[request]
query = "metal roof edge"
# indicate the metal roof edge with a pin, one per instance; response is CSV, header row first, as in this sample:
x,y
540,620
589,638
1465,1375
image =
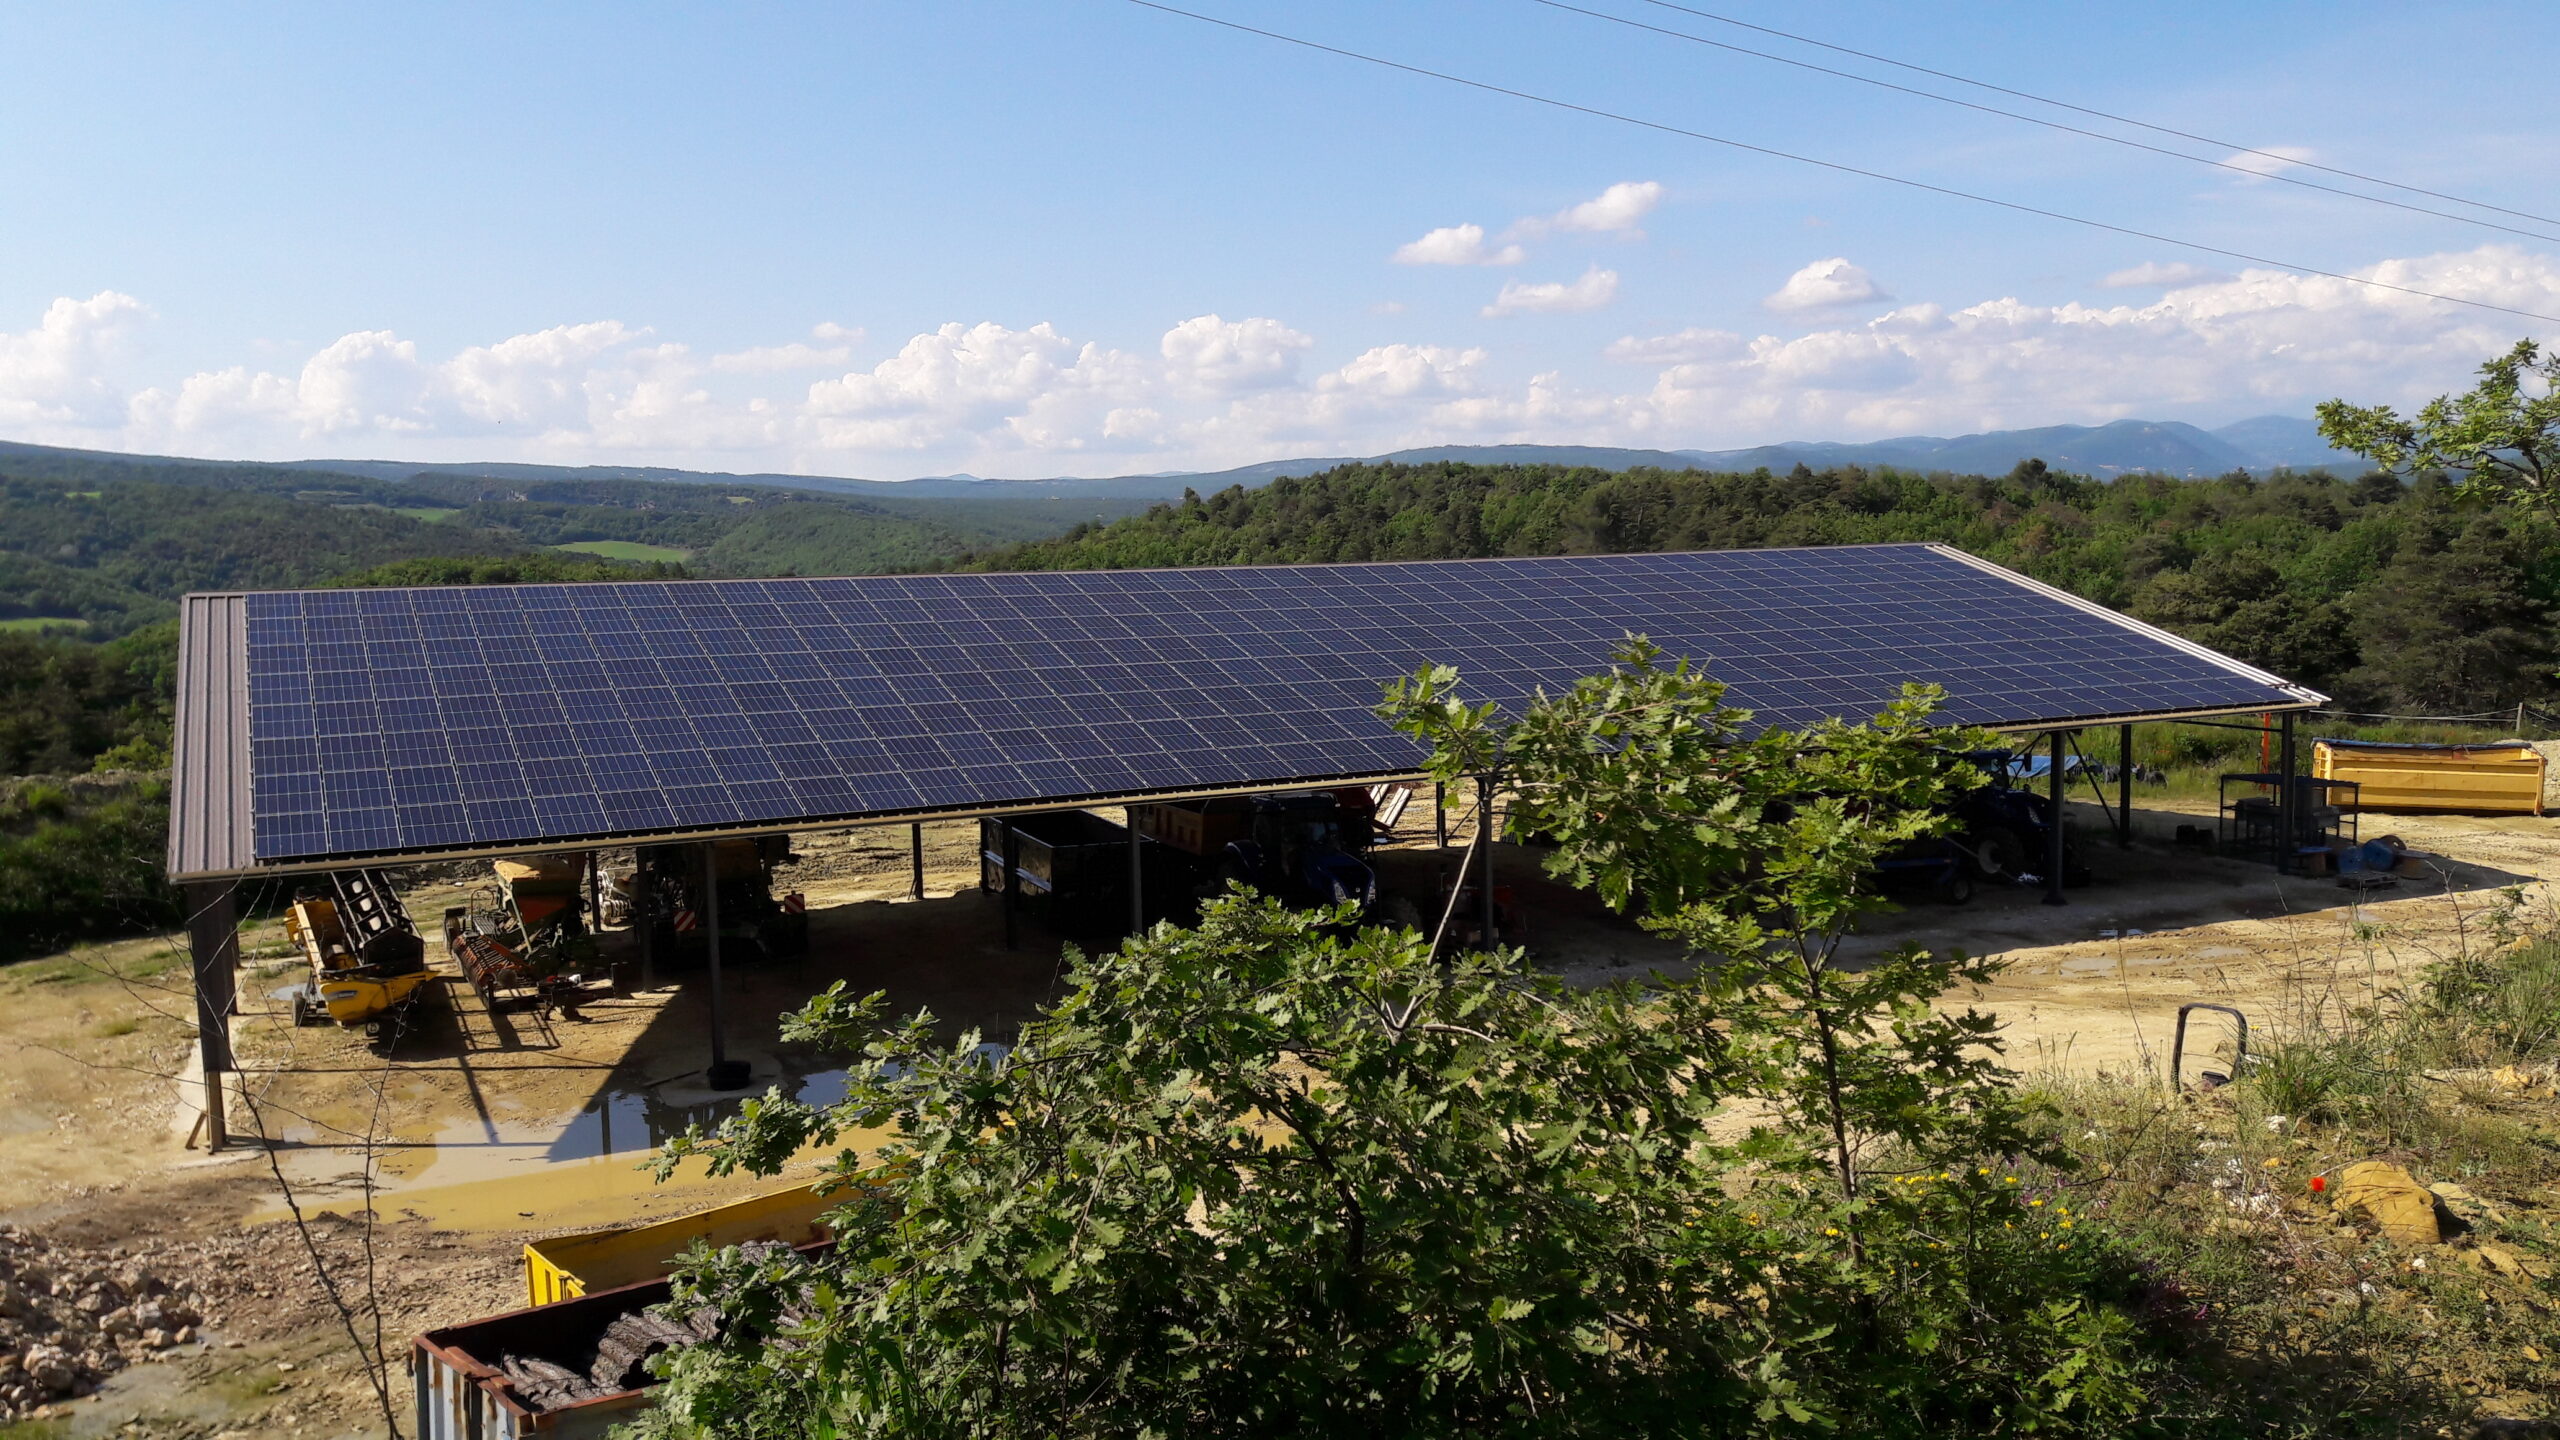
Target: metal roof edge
x,y
209,777
2304,693
315,864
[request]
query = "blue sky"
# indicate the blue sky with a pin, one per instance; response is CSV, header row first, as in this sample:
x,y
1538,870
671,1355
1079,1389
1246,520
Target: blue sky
x,y
1086,237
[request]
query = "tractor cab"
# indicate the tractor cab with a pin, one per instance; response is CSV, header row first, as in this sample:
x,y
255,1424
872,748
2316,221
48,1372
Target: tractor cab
x,y
2004,825
1304,849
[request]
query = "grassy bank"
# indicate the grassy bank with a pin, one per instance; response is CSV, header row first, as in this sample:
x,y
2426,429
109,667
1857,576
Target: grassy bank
x,y
2283,1315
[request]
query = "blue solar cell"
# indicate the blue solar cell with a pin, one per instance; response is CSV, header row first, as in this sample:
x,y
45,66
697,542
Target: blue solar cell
x,y
447,717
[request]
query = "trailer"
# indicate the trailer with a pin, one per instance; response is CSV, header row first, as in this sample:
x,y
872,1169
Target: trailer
x,y
2502,777
508,1377
570,1370
1070,870
565,1267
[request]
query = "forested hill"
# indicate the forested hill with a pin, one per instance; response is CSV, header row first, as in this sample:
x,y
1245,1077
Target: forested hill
x,y
2389,596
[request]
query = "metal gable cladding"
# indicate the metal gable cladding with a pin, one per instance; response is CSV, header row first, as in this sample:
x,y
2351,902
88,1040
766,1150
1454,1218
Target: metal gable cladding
x,y
439,719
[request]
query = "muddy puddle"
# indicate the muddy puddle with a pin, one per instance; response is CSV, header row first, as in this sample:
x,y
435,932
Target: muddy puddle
x,y
589,1165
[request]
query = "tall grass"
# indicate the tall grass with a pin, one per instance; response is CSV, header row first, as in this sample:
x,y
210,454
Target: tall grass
x,y
2290,1319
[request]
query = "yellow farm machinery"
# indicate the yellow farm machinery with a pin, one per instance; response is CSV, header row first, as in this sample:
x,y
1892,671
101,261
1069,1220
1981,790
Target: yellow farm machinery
x,y
368,966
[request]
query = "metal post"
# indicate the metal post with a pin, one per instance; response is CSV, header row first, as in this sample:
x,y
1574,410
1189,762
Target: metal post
x,y
2288,801
915,861
1440,814
719,1073
2124,786
1137,875
644,918
213,940
1487,829
2053,827
595,894
1012,878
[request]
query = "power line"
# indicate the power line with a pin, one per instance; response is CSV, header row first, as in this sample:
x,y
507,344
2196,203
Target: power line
x,y
2099,114
2051,124
1659,126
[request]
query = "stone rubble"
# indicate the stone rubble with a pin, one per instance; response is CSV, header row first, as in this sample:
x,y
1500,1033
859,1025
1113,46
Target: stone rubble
x,y
70,1317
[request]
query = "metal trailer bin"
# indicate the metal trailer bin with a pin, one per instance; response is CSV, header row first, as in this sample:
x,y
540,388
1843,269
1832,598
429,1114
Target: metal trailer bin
x,y
565,1267
1197,827
2497,778
1071,867
461,1393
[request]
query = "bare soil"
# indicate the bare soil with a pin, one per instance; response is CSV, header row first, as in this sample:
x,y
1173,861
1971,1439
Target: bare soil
x,y
491,1130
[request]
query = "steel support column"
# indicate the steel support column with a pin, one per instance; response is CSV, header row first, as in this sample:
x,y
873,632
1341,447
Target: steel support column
x,y
2124,786
1137,874
2288,800
721,1075
2053,825
915,862
213,943
1012,879
1486,831
644,918
1440,814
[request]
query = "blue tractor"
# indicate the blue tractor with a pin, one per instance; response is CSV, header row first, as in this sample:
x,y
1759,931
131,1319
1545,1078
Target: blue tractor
x,y
1303,850
2004,826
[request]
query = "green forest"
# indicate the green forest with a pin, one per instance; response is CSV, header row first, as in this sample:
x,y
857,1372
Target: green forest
x,y
2406,597
2392,596
99,546
95,551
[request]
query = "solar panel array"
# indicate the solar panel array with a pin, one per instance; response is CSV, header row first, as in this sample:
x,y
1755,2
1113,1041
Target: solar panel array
x,y
445,718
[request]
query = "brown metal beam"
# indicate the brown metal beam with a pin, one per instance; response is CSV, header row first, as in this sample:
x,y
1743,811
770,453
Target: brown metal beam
x,y
213,943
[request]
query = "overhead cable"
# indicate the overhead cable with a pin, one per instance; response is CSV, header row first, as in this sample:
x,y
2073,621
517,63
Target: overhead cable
x,y
1834,165
2251,171
2099,114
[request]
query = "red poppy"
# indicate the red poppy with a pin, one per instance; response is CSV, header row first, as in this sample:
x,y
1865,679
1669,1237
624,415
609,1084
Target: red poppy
x,y
2319,1183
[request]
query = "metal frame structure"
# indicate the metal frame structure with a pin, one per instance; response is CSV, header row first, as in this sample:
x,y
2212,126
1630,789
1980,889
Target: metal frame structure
x,y
211,853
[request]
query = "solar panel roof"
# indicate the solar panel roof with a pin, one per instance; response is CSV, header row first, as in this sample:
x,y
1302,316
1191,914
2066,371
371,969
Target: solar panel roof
x,y
458,718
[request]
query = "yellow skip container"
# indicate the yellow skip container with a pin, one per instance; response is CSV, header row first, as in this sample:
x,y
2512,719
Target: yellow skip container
x,y
567,1266
2501,777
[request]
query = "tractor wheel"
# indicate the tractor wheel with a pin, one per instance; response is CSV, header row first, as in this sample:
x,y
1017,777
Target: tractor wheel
x,y
1998,853
1957,889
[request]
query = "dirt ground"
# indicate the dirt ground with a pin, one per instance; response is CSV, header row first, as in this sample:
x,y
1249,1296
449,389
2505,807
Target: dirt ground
x,y
488,1131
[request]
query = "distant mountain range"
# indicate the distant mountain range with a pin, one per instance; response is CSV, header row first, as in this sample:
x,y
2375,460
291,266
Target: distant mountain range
x,y
2269,442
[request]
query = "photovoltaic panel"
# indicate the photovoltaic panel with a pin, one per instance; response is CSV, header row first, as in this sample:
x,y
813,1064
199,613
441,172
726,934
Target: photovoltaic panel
x,y
432,719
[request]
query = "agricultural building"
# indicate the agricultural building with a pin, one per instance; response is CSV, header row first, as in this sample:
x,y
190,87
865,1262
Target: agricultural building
x,y
327,730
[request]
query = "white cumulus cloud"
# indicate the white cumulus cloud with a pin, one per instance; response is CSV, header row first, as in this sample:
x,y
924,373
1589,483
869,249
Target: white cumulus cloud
x,y
1208,392
983,379
1457,245
1688,347
2168,273
834,347
1403,371
1617,210
1217,355
1825,284
1596,288
58,372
